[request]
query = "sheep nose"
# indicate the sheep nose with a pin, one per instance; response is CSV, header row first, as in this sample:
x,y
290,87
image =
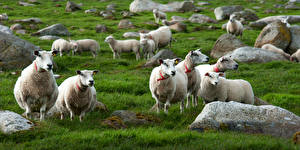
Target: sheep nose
x,y
216,83
236,66
91,82
173,73
207,59
49,66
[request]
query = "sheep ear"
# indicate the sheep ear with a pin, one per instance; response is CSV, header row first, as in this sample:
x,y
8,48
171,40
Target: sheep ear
x,y
54,52
206,74
36,53
192,52
78,72
160,61
95,72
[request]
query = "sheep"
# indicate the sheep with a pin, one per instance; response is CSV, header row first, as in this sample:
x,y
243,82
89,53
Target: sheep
x,y
187,66
285,21
36,88
77,95
296,56
234,27
148,47
3,16
61,45
159,15
85,45
167,85
161,36
272,48
119,46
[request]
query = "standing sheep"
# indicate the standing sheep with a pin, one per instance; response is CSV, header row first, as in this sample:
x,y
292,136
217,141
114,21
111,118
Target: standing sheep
x,y
77,95
159,15
148,47
85,45
61,45
234,27
187,66
119,46
36,89
296,56
161,36
272,48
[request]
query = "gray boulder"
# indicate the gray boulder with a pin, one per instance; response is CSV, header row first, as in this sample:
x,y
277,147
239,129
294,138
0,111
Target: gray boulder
x,y
11,122
247,14
131,35
56,29
101,28
178,18
5,29
125,24
292,6
71,6
224,12
162,54
21,31
261,23
234,116
295,41
89,11
15,27
200,18
28,20
225,44
250,54
21,3
49,37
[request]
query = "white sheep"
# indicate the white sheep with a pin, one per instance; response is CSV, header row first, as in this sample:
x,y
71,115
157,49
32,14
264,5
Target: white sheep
x,y
272,48
119,46
86,45
296,56
148,47
161,36
215,88
159,15
234,27
3,16
77,95
187,66
62,45
36,89
167,85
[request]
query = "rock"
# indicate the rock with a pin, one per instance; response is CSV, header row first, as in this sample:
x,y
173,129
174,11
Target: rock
x,y
162,54
49,37
21,31
132,118
203,3
7,7
256,7
270,11
250,54
25,4
34,1
295,39
90,11
131,35
261,23
71,6
56,29
246,14
107,15
234,116
292,6
15,27
33,27
184,6
278,6
29,20
100,106
5,29
101,28
224,12
11,122
179,27
225,44
114,122
275,33
294,1
125,24
111,7
126,14
3,17
178,18
200,18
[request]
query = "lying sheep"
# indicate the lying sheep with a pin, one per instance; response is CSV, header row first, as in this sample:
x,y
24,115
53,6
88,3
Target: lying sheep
x,y
159,15
187,66
161,36
85,45
119,46
167,85
148,47
61,45
77,95
234,27
272,48
296,56
36,89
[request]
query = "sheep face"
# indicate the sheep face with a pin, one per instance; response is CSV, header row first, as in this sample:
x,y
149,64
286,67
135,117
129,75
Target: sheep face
x,y
143,42
227,63
44,59
109,39
212,77
155,10
74,45
168,66
86,77
197,57
145,36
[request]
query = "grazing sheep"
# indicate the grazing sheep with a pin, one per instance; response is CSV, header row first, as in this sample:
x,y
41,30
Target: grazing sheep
x,y
36,89
148,47
167,85
159,15
234,27
61,45
187,66
77,95
296,56
85,45
272,48
119,46
161,36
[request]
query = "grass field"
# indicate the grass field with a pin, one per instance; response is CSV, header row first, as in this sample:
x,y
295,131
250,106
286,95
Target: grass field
x,y
122,84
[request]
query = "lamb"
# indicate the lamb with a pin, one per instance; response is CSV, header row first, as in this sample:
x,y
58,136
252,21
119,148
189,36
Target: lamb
x,y
187,66
159,15
61,45
167,85
36,89
77,95
161,36
119,46
296,56
148,47
272,48
234,27
85,45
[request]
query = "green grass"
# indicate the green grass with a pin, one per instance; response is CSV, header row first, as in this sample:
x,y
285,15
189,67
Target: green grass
x,y
122,84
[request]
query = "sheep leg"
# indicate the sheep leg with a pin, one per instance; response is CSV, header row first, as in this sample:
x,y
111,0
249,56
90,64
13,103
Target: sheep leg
x,y
81,116
167,105
62,116
60,53
138,56
27,111
43,111
182,106
71,115
114,55
188,101
194,100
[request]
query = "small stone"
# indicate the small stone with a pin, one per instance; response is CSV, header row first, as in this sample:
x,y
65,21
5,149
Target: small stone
x,y
90,11
16,27
125,24
101,28
21,31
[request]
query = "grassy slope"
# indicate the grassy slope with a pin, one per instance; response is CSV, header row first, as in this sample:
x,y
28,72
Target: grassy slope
x,y
122,85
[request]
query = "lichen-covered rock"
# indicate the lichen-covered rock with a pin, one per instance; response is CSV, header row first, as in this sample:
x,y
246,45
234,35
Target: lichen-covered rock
x,y
49,37
178,18
162,54
28,20
234,116
200,18
295,41
15,27
261,23
5,29
71,6
11,122
224,12
56,29
247,14
125,24
101,28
